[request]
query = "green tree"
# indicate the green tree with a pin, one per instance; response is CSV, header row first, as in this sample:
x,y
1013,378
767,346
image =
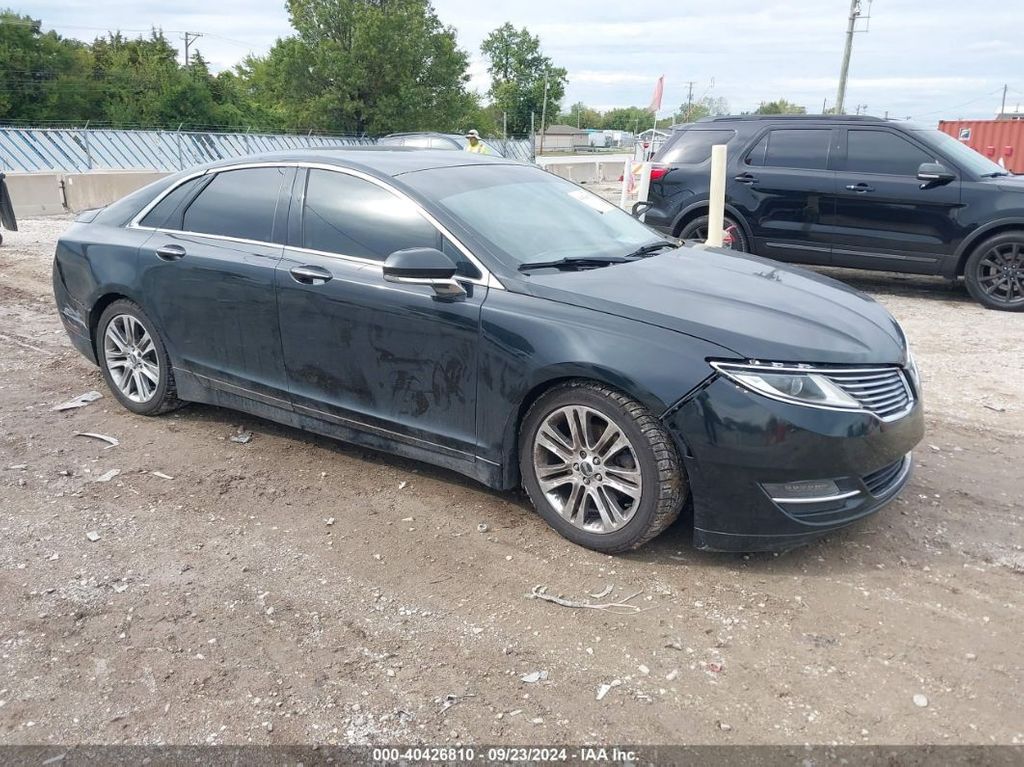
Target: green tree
x,y
370,66
633,119
780,107
708,106
519,74
41,74
582,116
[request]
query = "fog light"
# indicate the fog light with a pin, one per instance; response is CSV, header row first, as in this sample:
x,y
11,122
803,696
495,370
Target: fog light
x,y
806,491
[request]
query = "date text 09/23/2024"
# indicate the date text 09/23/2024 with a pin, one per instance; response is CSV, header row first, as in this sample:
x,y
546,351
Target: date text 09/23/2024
x,y
503,754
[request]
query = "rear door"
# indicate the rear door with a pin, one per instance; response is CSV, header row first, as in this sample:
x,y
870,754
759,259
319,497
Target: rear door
x,y
785,189
208,273
884,218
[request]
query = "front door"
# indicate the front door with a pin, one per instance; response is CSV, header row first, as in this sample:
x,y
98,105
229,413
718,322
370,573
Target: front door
x,y
208,275
784,188
884,218
386,359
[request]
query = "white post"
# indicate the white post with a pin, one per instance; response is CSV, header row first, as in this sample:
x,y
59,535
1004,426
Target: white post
x,y
716,200
627,171
644,187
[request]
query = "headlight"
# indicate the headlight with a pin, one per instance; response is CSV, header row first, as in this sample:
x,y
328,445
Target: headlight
x,y
788,384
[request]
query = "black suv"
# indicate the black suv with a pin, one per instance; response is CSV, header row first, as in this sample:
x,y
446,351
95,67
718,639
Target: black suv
x,y
858,192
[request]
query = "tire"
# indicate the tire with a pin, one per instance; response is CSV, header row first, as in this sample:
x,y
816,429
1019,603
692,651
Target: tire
x,y
149,390
994,273
648,467
697,229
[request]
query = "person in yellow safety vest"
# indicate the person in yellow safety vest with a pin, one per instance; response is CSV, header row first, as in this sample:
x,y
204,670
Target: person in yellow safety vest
x,y
475,145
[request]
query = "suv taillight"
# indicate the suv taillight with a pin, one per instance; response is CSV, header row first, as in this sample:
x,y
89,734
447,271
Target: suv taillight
x,y
658,172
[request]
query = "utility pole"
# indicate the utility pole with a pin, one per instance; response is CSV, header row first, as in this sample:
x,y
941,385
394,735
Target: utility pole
x,y
845,70
1002,109
689,100
190,37
543,113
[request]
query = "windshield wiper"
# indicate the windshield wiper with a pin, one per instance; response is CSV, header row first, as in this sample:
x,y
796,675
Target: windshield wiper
x,y
995,174
573,263
654,247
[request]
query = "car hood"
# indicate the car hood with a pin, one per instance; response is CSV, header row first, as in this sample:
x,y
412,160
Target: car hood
x,y
757,308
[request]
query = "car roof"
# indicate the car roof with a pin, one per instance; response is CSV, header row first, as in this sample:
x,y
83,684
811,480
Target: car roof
x,y
376,160
426,133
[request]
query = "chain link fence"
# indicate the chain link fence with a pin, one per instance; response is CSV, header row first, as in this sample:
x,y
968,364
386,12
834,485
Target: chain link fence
x,y
80,150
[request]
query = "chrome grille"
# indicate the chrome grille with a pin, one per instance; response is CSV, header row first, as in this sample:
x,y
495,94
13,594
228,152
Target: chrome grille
x,y
883,391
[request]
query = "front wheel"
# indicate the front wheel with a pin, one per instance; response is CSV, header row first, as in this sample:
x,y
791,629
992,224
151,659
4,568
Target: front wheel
x,y
697,230
995,272
599,467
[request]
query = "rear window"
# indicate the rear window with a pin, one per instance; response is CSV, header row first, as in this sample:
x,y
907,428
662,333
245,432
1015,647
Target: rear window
x,y
237,203
790,148
167,212
693,147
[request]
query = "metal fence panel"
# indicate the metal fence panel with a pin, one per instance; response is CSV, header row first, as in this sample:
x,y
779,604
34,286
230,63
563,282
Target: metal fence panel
x,y
80,150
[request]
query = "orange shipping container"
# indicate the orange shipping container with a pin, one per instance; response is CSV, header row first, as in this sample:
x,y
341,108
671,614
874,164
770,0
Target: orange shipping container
x,y
1001,141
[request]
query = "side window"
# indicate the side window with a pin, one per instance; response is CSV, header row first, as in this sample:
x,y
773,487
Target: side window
x,y
756,155
875,151
352,217
694,146
793,148
237,203
166,214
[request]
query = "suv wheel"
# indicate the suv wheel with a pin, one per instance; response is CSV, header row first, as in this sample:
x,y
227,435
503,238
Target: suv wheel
x,y
599,467
697,229
995,272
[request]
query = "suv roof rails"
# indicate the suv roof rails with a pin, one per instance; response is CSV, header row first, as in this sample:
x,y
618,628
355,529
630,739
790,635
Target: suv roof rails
x,y
838,118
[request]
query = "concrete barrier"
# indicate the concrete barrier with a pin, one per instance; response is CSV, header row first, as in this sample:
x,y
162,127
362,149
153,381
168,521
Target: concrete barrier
x,y
94,190
35,194
585,169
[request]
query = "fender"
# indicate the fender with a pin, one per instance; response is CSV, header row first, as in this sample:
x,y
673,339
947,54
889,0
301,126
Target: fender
x,y
730,209
549,376
955,266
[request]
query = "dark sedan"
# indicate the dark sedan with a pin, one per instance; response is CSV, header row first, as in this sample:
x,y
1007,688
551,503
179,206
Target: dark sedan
x,y
491,318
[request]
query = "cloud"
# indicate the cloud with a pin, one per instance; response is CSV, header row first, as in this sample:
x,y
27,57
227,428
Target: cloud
x,y
942,57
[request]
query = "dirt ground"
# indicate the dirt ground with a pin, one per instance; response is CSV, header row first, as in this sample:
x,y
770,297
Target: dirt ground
x,y
295,589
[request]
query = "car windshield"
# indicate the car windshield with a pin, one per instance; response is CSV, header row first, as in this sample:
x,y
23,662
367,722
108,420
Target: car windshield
x,y
962,154
527,215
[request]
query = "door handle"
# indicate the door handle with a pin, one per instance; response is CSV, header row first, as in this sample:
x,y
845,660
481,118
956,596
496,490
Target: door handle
x,y
170,253
860,188
745,178
310,275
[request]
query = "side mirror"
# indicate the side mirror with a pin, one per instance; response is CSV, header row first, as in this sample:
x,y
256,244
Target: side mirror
x,y
424,266
933,174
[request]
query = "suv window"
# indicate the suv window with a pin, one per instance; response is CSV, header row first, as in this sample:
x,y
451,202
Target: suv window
x,y
792,148
237,203
352,217
876,151
694,146
167,212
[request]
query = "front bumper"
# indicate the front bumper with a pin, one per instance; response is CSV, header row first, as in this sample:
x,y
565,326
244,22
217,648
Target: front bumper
x,y
734,442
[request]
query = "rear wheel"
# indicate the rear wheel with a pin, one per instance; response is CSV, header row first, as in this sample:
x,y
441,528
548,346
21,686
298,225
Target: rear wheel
x,y
995,272
599,467
697,230
134,361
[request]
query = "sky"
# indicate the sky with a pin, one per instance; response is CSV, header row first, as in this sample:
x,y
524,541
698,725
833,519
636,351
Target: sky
x,y
925,59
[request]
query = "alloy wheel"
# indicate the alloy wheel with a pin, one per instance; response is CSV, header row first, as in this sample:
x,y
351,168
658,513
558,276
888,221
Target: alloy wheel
x,y
587,469
131,358
1001,273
